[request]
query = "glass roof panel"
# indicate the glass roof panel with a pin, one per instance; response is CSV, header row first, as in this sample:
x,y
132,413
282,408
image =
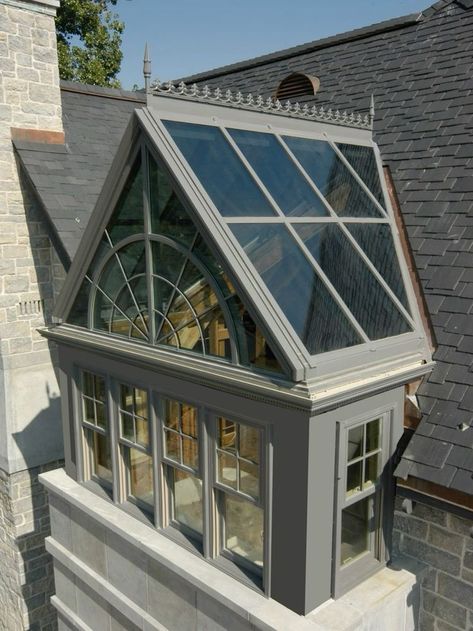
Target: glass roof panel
x,y
363,161
221,172
356,285
279,174
332,178
296,287
168,215
128,217
377,242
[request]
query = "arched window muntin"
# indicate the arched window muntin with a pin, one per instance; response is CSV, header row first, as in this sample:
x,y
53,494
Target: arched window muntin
x,y
188,255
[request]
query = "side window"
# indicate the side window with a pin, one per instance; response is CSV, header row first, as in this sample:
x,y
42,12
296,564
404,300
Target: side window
x,y
239,486
362,457
96,429
135,446
182,467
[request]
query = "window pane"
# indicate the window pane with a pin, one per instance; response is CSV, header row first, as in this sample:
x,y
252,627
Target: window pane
x,y
220,171
244,529
88,384
355,442
142,432
172,445
190,454
296,287
89,410
99,388
278,173
141,402
167,262
141,476
197,290
227,434
249,443
363,161
372,435
377,243
215,332
332,178
354,477
189,420
127,219
355,530
371,471
168,216
249,478
100,411
101,457
128,426
227,469
126,398
171,418
187,498
358,288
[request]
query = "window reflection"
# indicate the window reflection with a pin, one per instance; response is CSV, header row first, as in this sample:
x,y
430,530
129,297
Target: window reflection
x,y
355,531
244,529
187,500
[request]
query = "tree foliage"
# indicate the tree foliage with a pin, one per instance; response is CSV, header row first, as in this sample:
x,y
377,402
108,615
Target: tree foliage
x,y
88,40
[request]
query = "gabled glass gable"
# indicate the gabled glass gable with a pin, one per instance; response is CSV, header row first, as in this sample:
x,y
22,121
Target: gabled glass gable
x,y
321,242
154,279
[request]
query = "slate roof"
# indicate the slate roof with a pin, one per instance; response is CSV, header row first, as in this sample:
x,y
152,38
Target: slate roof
x,y
68,178
420,70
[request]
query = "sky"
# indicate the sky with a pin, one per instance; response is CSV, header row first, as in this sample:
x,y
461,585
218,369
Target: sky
x,y
189,36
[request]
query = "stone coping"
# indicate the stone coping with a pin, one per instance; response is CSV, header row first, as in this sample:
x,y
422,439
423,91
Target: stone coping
x,y
389,587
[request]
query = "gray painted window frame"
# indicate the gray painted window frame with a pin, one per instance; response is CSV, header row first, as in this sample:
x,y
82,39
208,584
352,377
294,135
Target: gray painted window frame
x,y
346,577
209,548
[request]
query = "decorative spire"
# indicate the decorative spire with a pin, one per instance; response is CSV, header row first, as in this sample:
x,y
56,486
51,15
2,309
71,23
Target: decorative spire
x,y
146,68
372,111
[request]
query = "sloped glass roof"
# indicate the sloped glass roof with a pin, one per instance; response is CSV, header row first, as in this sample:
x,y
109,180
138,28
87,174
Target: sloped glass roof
x,y
251,238
315,230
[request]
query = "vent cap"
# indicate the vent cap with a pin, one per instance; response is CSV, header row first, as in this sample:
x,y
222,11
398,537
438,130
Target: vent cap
x,y
297,84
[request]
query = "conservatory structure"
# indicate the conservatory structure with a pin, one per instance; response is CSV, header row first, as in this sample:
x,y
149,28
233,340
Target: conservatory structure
x,y
235,337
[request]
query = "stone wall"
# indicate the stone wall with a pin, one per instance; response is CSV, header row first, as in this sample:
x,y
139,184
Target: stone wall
x,y
443,543
26,577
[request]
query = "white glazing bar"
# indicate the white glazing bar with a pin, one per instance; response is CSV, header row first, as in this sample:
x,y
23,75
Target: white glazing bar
x,y
355,174
305,219
97,288
335,295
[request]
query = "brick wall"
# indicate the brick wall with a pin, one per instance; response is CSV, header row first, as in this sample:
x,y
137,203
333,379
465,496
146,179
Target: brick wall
x,y
443,543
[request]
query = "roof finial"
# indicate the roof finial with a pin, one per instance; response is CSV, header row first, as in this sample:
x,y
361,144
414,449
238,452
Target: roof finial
x,y
372,111
146,68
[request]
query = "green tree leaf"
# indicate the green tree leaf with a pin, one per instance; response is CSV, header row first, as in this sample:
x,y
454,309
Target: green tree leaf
x,y
89,37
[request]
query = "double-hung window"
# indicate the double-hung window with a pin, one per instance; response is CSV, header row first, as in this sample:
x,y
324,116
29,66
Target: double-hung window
x,y
96,429
135,446
181,439
359,546
239,488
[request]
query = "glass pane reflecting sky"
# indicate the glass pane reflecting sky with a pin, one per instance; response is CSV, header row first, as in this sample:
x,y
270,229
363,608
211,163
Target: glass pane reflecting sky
x,y
221,172
296,287
332,178
278,173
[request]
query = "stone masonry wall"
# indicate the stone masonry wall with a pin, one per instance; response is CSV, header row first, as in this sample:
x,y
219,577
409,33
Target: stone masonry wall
x,y
29,277
443,543
26,577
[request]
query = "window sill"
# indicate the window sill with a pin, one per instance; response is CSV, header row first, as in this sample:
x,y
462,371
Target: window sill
x,y
387,600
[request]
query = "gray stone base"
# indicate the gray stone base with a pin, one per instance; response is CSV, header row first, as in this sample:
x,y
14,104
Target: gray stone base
x,y
26,575
443,543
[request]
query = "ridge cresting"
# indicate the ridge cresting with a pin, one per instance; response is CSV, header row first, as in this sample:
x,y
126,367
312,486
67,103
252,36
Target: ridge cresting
x,y
260,104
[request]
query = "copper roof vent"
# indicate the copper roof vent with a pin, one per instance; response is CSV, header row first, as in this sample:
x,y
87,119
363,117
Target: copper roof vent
x,y
296,85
